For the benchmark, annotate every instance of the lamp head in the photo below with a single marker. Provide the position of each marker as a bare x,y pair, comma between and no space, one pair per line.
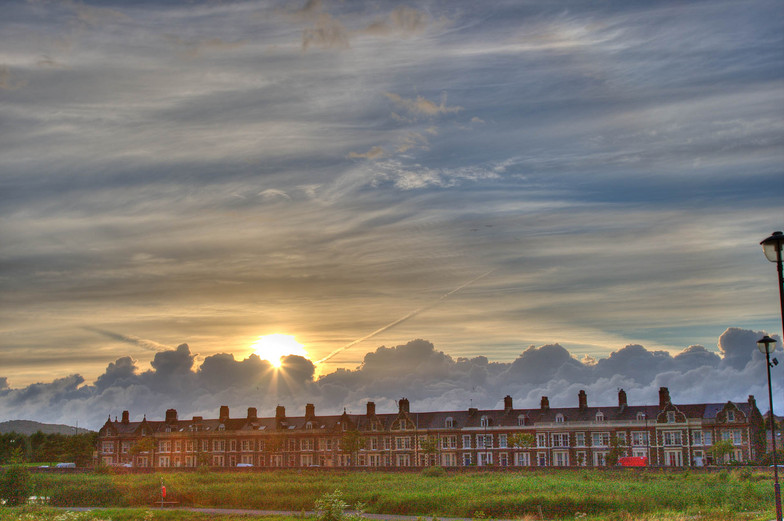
772,246
766,344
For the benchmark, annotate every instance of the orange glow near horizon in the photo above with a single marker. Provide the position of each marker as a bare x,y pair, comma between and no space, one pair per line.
273,347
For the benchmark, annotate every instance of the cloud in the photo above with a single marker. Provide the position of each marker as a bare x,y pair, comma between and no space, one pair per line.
7,81
374,153
421,106
326,33
402,21
430,378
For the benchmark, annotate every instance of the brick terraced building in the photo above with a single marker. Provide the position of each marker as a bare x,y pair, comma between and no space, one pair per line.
667,434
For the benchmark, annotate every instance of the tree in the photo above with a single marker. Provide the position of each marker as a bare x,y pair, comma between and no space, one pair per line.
351,443
429,447
521,440
143,445
15,485
617,450
721,449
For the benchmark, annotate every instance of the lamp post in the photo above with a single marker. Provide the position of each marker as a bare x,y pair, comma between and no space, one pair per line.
772,247
767,345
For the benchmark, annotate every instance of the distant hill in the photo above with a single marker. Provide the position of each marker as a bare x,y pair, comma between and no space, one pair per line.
31,427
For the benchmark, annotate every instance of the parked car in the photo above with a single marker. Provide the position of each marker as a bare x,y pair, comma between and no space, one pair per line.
65,466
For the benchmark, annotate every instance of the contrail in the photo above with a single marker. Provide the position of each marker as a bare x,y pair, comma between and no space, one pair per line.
128,339
402,319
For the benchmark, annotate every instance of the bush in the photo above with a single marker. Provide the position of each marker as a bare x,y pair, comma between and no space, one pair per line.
15,485
331,507
433,472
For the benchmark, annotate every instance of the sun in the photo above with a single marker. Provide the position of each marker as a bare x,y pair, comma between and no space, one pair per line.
273,347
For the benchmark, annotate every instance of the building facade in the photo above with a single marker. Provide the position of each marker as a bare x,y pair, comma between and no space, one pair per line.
666,434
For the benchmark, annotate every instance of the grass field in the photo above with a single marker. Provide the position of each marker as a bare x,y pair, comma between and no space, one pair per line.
587,494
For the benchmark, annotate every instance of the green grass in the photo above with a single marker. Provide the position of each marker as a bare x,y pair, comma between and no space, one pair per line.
556,494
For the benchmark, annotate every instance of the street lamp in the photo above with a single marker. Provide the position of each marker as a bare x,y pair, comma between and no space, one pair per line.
767,345
772,247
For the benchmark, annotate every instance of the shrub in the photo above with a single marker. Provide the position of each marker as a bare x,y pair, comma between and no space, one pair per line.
15,485
331,507
433,472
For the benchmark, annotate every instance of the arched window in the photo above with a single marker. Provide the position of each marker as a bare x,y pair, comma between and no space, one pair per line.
559,418
484,421
521,420
309,426
449,423
600,416
221,427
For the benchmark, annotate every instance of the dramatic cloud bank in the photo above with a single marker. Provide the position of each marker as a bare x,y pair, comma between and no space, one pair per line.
429,378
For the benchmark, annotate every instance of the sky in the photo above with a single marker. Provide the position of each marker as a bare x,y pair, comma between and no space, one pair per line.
491,197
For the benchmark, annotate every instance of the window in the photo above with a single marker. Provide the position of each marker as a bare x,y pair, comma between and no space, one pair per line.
502,441
449,423
309,426
522,459
696,436
221,427
403,443
541,440
600,439
670,417
232,445
164,446
188,445
641,416
107,447
579,439
466,441
541,459
484,421
672,438
561,440
306,444
736,437
730,416
560,459
621,437
559,418
600,416
484,440
373,443
639,438
449,442
218,445
467,459
125,447
708,437
521,420
178,446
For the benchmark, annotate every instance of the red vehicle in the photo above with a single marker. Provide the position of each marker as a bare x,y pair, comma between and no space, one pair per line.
630,461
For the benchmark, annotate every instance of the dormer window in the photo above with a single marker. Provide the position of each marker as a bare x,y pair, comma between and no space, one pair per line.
521,420
559,418
309,426
221,427
670,417
640,416
449,423
168,429
730,416
600,416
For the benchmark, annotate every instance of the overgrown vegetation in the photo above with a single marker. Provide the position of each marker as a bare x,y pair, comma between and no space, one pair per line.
625,494
47,448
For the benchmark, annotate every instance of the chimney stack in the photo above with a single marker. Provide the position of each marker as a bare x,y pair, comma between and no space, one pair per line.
224,413
582,400
371,408
280,412
507,404
171,416
545,403
622,399
125,417
310,410
252,413
403,405
664,397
